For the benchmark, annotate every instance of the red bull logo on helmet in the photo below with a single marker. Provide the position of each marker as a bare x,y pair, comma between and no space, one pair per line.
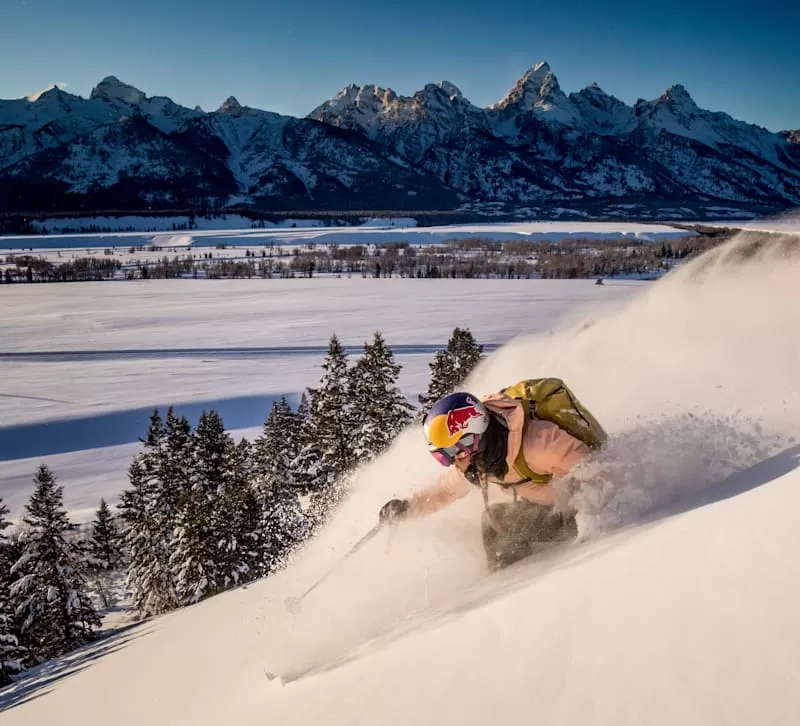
458,419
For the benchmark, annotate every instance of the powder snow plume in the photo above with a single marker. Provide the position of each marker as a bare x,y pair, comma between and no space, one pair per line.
695,379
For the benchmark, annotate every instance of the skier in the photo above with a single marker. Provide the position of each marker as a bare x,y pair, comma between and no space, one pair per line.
519,439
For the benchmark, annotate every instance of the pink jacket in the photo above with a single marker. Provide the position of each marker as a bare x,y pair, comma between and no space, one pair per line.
547,448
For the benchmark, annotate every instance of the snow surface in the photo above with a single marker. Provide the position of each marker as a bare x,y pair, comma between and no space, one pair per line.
371,233
680,605
84,364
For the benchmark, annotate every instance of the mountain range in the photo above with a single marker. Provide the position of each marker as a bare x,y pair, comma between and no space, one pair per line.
538,150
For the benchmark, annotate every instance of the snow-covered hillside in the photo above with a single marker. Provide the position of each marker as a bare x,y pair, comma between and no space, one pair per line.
680,605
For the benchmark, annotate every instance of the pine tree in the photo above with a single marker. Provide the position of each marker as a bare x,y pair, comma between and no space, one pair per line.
50,592
104,544
176,470
147,543
326,455
160,481
283,522
237,520
105,553
303,409
451,366
380,411
11,654
196,559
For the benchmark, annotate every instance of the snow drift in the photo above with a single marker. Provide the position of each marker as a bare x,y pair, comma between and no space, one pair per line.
696,379
679,605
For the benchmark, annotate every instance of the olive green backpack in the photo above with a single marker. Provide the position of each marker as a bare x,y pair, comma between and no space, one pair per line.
549,399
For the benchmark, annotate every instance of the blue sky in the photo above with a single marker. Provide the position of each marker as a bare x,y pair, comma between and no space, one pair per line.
290,56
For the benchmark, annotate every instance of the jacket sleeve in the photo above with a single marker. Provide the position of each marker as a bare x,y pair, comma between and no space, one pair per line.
451,486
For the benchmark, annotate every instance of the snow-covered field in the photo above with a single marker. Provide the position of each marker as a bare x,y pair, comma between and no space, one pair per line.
84,364
680,605
372,232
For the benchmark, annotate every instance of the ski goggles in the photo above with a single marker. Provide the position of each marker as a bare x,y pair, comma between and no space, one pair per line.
446,456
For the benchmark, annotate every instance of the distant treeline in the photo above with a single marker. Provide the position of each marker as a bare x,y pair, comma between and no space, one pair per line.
467,258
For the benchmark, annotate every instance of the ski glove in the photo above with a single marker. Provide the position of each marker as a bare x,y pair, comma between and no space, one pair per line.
393,511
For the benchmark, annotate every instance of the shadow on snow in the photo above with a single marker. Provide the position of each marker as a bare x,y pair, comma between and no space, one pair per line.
39,681
61,436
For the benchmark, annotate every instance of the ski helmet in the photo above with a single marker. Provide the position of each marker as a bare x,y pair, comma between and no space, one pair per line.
454,425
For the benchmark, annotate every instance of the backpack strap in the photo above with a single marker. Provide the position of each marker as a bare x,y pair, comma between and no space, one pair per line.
520,465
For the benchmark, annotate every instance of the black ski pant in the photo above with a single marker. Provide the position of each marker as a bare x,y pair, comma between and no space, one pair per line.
513,530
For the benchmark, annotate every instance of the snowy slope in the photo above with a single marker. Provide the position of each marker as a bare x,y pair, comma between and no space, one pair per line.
680,606
687,614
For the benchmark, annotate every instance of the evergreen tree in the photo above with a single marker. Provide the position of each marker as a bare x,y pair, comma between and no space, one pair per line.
50,592
105,553
278,445
147,543
303,409
326,454
160,481
380,411
104,544
195,558
451,366
11,654
283,522
176,470
237,520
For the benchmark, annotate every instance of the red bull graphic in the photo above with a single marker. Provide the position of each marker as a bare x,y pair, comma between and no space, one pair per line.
458,419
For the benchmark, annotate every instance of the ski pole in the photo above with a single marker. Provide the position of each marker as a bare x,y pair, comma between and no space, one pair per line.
293,603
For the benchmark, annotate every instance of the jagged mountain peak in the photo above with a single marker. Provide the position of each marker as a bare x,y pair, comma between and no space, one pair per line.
51,92
536,85
597,145
231,106
450,89
593,90
677,95
537,92
112,89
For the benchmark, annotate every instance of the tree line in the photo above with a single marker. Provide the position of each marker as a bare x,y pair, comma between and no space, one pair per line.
202,512
456,259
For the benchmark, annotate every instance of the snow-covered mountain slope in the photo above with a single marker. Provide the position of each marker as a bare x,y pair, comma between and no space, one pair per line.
371,148
679,605
539,143
123,149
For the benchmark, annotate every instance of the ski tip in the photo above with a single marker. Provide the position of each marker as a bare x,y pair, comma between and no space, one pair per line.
273,677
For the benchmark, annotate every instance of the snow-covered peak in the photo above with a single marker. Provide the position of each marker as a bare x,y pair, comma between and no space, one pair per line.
54,91
538,92
536,86
231,106
362,108
677,96
112,89
450,89
365,98
602,113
